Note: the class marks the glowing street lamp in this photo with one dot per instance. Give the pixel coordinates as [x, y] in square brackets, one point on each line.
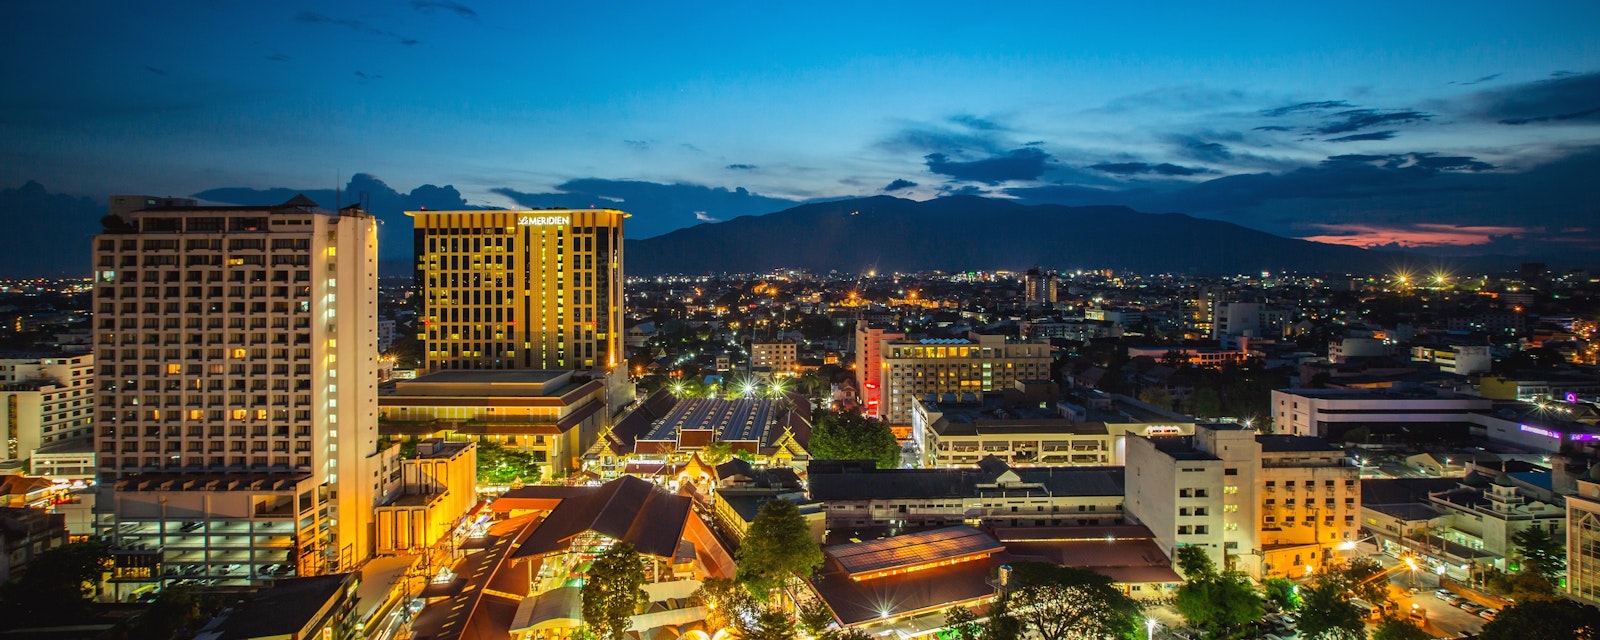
[1150, 628]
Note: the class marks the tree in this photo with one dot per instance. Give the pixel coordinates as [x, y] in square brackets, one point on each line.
[1223, 604]
[1545, 620]
[1365, 578]
[1054, 603]
[612, 593]
[57, 584]
[1328, 612]
[1156, 396]
[1195, 563]
[850, 436]
[815, 617]
[1542, 554]
[964, 623]
[499, 464]
[769, 624]
[1393, 628]
[717, 452]
[725, 601]
[777, 546]
[1207, 403]
[1282, 591]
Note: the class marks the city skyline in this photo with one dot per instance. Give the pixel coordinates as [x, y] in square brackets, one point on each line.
[1468, 132]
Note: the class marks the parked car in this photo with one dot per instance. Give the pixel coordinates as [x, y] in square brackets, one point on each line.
[1443, 594]
[1455, 601]
[1488, 613]
[1471, 607]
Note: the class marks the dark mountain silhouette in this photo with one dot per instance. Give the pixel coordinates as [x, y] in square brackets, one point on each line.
[970, 233]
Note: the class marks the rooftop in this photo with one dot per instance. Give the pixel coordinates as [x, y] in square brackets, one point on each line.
[283, 609]
[1180, 448]
[912, 550]
[626, 509]
[833, 480]
[1279, 444]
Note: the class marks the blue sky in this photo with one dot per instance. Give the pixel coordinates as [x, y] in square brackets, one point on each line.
[1075, 103]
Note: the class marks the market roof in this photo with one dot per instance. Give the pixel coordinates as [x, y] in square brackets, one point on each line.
[626, 509]
[913, 549]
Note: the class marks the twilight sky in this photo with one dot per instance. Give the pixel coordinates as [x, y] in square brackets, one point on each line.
[1471, 127]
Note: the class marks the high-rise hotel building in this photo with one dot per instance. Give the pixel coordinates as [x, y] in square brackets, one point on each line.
[235, 355]
[532, 289]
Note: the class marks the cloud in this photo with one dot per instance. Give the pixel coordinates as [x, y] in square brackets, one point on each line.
[955, 135]
[967, 190]
[1417, 160]
[1142, 168]
[155, 70]
[433, 6]
[278, 57]
[741, 167]
[1321, 105]
[1358, 119]
[1027, 163]
[1412, 235]
[899, 184]
[1203, 147]
[637, 145]
[311, 17]
[975, 122]
[1566, 97]
[704, 217]
[364, 76]
[1357, 137]
[1273, 127]
[1478, 81]
[657, 208]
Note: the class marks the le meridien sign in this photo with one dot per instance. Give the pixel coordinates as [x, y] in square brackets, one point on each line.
[542, 221]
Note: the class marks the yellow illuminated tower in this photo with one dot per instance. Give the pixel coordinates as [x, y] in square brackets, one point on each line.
[530, 289]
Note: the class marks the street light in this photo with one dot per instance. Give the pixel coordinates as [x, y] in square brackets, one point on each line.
[1150, 628]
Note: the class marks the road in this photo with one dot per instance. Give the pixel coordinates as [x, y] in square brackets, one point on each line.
[1443, 619]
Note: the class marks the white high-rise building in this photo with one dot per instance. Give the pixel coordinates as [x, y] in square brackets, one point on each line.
[236, 350]
[45, 403]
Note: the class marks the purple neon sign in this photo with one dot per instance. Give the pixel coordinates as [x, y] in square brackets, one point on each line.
[1543, 432]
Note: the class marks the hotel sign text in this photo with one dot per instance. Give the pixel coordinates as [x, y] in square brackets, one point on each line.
[541, 221]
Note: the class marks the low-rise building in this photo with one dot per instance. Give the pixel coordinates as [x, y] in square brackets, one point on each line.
[24, 534]
[1329, 413]
[554, 415]
[319, 608]
[771, 431]
[778, 359]
[45, 402]
[437, 487]
[857, 495]
[972, 365]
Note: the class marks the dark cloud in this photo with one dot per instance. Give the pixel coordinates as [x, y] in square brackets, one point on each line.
[1033, 143]
[1143, 168]
[899, 184]
[741, 167]
[1183, 98]
[1562, 73]
[1563, 98]
[1357, 119]
[1204, 147]
[364, 76]
[311, 17]
[1418, 160]
[1273, 127]
[155, 70]
[1358, 137]
[433, 6]
[1027, 163]
[1478, 81]
[278, 57]
[1322, 105]
[965, 190]
[637, 145]
[657, 208]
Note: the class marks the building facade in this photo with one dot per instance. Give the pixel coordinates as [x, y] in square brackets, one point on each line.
[437, 487]
[1583, 539]
[229, 341]
[777, 359]
[855, 494]
[532, 289]
[46, 403]
[869, 366]
[973, 365]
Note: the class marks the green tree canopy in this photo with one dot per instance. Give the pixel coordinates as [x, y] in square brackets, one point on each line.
[499, 464]
[613, 591]
[1545, 620]
[1223, 604]
[850, 436]
[725, 601]
[1283, 591]
[1366, 578]
[1542, 554]
[777, 546]
[717, 452]
[1055, 603]
[1328, 613]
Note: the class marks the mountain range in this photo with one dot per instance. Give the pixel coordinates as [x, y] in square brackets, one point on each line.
[963, 233]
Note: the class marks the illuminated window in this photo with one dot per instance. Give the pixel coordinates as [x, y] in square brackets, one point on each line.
[196, 414]
[174, 368]
[239, 414]
[261, 414]
[238, 353]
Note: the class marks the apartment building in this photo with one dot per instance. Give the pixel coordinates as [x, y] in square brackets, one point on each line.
[776, 359]
[973, 365]
[527, 289]
[869, 366]
[235, 355]
[1583, 539]
[45, 403]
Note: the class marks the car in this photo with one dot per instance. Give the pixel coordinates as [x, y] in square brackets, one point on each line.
[1488, 613]
[1455, 601]
[1443, 594]
[1471, 607]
